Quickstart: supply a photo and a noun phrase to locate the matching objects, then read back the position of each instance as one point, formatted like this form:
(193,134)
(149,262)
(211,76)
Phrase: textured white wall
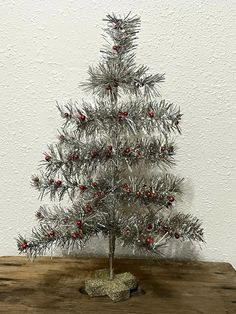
(45,50)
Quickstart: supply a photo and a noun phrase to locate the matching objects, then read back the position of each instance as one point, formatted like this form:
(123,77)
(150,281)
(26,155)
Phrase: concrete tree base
(117,289)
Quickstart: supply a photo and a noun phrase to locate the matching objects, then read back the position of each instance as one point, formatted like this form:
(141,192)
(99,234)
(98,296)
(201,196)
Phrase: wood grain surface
(171,287)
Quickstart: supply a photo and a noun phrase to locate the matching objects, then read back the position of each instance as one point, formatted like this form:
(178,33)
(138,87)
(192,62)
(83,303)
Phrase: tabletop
(165,286)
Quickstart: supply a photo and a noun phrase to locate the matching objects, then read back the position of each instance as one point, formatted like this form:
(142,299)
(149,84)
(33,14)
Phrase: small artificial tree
(105,159)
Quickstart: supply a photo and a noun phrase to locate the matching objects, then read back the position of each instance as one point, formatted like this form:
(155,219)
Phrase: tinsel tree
(112,160)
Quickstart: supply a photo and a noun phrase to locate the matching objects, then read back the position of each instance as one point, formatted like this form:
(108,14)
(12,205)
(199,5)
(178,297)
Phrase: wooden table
(171,287)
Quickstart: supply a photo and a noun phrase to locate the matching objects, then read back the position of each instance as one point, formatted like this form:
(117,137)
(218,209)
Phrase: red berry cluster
(99,194)
(94,153)
(24,245)
(126,188)
(51,234)
(77,234)
(167,149)
(150,194)
(116,48)
(73,157)
(122,114)
(82,117)
(88,208)
(109,151)
(58,183)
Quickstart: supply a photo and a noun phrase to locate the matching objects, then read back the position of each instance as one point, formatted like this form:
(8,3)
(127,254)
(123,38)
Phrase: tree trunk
(112,240)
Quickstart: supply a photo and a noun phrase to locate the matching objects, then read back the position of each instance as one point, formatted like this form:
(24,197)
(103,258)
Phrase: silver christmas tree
(112,160)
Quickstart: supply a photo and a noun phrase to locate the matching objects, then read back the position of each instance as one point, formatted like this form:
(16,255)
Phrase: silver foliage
(105,153)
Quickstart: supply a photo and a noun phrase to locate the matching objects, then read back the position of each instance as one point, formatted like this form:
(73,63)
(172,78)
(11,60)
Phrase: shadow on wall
(174,249)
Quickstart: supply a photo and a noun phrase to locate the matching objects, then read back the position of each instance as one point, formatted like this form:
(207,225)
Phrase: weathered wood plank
(171,287)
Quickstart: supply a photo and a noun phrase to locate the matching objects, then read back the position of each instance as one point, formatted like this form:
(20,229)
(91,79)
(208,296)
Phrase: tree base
(117,289)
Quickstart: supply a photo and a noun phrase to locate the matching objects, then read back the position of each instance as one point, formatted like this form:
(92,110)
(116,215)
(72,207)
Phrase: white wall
(45,50)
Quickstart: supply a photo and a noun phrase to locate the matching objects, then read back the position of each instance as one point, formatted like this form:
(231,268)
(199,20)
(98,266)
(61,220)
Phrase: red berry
(82,187)
(88,208)
(99,194)
(153,194)
(177,235)
(126,232)
(51,233)
(116,48)
(39,215)
(148,194)
(78,223)
(149,240)
(120,114)
(76,235)
(66,115)
(94,153)
(82,117)
(138,194)
(35,179)
(94,183)
(48,158)
(108,87)
(58,183)
(125,186)
(61,138)
(171,198)
(76,157)
(151,114)
(149,226)
(125,113)
(24,245)
(127,151)
(165,228)
(73,157)
(109,151)
(70,157)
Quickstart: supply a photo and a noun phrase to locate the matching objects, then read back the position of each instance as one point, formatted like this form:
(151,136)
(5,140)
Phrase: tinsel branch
(161,191)
(85,158)
(152,231)
(60,228)
(131,116)
(117,72)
